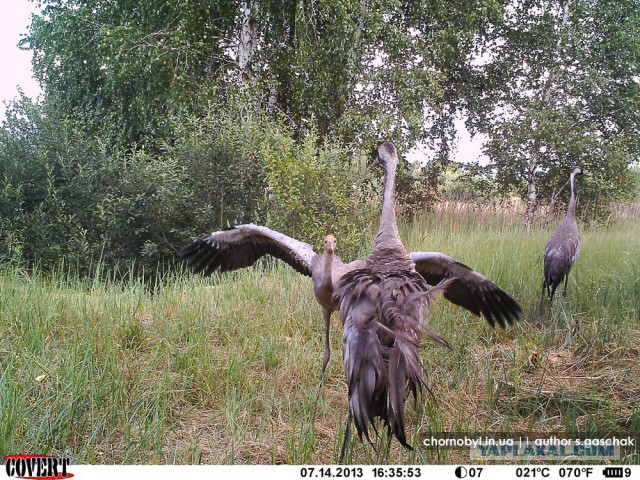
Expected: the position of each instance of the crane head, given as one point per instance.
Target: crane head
(330, 244)
(386, 154)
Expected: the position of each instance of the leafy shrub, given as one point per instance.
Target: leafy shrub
(65, 199)
(315, 190)
(417, 188)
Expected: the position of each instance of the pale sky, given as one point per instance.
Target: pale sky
(14, 22)
(16, 71)
(467, 149)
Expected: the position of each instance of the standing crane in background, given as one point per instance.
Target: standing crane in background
(562, 250)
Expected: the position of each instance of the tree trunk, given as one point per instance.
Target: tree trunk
(273, 99)
(248, 39)
(355, 50)
(552, 207)
(532, 202)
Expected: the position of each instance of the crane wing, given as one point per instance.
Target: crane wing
(467, 288)
(241, 246)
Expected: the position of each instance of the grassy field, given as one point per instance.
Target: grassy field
(227, 370)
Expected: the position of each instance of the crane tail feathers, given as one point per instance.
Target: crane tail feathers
(383, 326)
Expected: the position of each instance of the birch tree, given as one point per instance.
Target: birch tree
(561, 87)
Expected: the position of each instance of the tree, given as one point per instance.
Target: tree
(123, 70)
(559, 88)
(357, 69)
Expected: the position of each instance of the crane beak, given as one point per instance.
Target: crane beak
(375, 163)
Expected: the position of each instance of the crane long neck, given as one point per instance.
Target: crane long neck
(388, 231)
(326, 274)
(571, 210)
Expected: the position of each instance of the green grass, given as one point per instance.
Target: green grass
(227, 370)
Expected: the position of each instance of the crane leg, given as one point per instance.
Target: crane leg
(566, 279)
(326, 317)
(539, 322)
(347, 431)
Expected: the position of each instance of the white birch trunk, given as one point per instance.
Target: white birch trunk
(248, 39)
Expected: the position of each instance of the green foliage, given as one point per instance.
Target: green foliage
(561, 89)
(65, 198)
(635, 184)
(314, 190)
(355, 70)
(417, 188)
(125, 70)
(221, 155)
(465, 185)
(72, 202)
(154, 130)
(566, 145)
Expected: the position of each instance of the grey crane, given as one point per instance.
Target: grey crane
(562, 249)
(381, 309)
(325, 278)
(241, 246)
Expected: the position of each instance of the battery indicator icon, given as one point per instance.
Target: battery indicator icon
(613, 472)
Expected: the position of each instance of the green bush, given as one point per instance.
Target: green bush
(65, 199)
(314, 190)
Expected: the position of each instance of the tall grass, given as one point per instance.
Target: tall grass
(227, 370)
